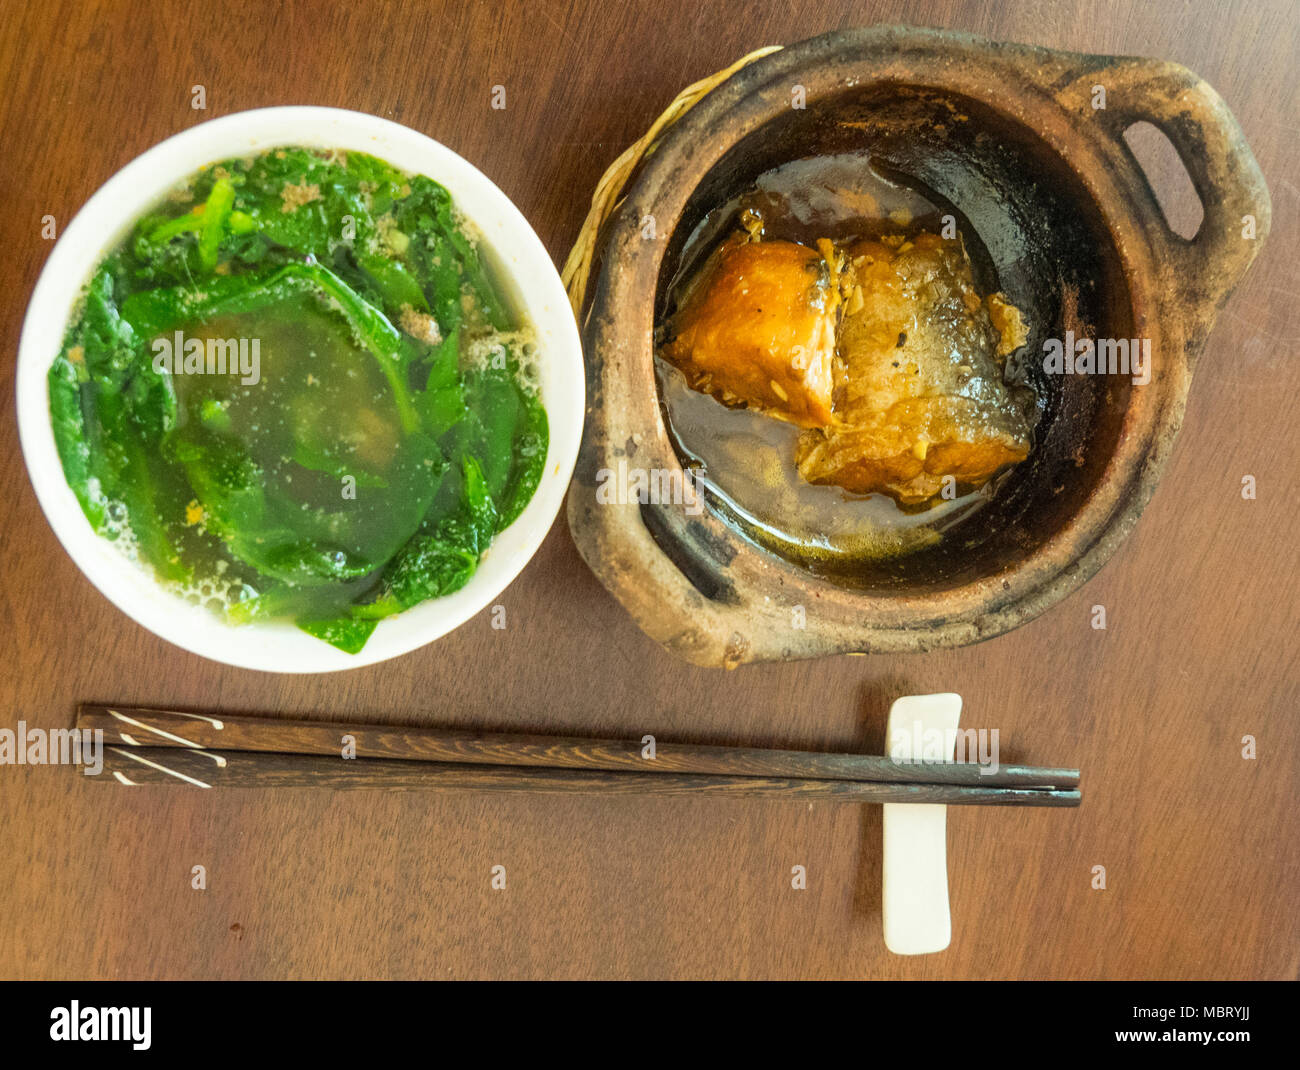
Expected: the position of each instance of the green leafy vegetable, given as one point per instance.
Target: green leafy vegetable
(273, 393)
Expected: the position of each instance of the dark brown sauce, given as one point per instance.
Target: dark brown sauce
(743, 461)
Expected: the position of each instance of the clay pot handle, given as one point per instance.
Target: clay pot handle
(1213, 149)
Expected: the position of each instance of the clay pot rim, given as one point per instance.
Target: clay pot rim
(1032, 86)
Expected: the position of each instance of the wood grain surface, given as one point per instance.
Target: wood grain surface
(1199, 845)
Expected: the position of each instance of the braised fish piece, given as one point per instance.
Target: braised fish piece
(757, 329)
(920, 361)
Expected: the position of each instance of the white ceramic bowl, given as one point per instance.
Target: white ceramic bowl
(105, 220)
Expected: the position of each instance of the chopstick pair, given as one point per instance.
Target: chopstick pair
(144, 746)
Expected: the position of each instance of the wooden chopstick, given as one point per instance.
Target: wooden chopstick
(252, 769)
(169, 728)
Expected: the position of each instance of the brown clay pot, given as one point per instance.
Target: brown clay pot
(1009, 136)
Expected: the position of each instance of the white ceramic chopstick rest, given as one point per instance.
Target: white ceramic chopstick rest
(915, 867)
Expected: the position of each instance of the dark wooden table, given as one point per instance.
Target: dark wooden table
(1199, 845)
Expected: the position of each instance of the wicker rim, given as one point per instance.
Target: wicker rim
(607, 197)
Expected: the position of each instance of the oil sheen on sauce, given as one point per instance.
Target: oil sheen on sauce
(743, 461)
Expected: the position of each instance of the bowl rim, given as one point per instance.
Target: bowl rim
(109, 214)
